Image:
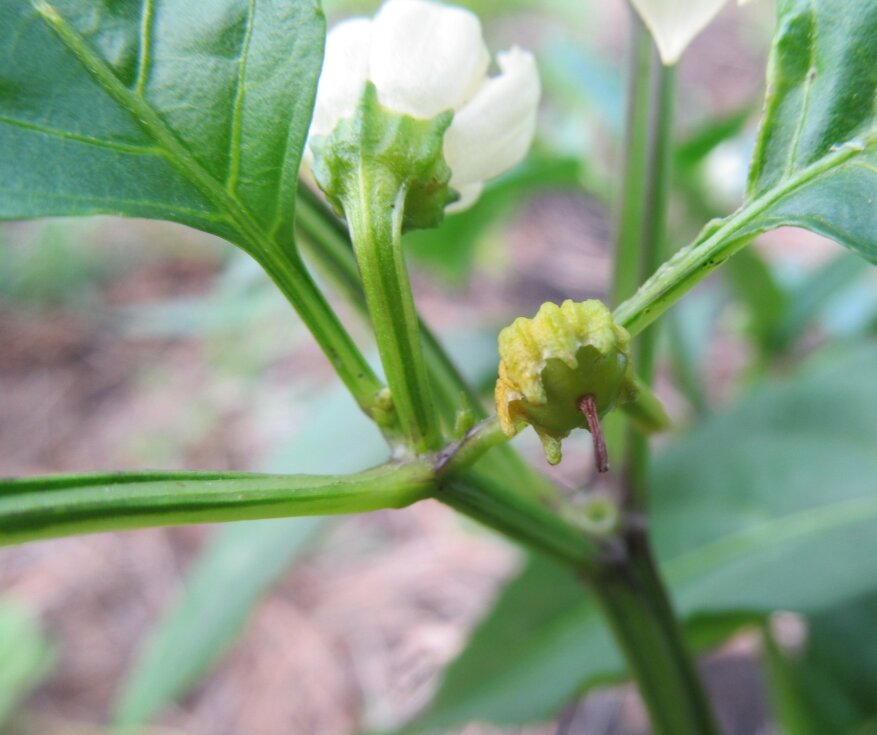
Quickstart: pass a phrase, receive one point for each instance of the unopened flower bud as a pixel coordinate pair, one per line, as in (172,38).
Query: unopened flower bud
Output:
(674,24)
(552,363)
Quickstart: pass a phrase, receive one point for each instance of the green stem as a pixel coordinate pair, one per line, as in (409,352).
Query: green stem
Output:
(330,246)
(719,241)
(630,590)
(517,517)
(634,600)
(61,505)
(40,507)
(629,215)
(375,218)
(652,232)
(654,224)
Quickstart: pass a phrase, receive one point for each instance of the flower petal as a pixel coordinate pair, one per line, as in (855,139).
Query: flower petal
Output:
(469,194)
(345,71)
(493,131)
(426,57)
(675,23)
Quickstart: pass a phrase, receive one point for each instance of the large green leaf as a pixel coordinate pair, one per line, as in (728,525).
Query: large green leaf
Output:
(769,505)
(168,109)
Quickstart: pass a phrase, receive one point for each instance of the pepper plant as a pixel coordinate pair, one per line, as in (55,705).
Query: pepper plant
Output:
(201,114)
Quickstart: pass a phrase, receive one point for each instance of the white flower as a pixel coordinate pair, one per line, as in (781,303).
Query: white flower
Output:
(424,58)
(675,23)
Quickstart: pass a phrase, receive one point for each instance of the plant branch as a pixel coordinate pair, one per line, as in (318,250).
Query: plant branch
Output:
(635,602)
(720,240)
(652,232)
(629,587)
(330,246)
(49,507)
(517,517)
(629,212)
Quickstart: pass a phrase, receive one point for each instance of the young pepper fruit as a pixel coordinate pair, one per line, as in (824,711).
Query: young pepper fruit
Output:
(552,367)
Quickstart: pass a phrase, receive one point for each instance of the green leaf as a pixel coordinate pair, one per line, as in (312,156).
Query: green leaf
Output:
(25,656)
(195,113)
(815,164)
(818,139)
(828,686)
(769,505)
(233,572)
(821,87)
(47,507)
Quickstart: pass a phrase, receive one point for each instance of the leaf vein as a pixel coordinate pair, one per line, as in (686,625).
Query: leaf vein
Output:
(237,117)
(143,54)
(805,103)
(126,204)
(129,148)
(867,166)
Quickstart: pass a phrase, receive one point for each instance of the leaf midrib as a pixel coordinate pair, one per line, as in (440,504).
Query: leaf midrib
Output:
(231,208)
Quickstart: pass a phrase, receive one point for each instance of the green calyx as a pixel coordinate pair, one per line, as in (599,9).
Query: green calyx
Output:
(397,153)
(548,364)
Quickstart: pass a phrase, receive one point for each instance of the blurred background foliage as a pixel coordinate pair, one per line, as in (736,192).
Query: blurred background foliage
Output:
(131,344)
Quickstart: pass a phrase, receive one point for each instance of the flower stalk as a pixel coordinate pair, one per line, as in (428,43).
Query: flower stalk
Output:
(377,241)
(385,172)
(329,244)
